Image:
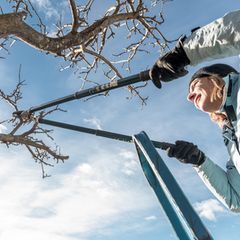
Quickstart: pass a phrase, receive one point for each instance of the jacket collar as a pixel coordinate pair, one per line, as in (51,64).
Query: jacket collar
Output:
(227,104)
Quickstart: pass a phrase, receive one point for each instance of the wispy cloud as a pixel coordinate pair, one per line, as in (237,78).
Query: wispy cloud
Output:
(95,122)
(151,218)
(2,128)
(46,7)
(209,209)
(129,162)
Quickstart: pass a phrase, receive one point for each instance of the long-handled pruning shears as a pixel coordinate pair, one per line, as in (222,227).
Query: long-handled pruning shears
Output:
(142,76)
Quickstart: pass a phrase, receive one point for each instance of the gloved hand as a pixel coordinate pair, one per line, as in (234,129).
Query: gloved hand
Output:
(186,152)
(170,66)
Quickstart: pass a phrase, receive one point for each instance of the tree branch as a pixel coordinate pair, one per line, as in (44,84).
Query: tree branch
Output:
(18,139)
(75,23)
(13,24)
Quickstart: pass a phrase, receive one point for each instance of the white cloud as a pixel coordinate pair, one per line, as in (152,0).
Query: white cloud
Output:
(86,200)
(129,162)
(42,3)
(47,7)
(2,128)
(86,168)
(127,154)
(150,218)
(94,122)
(28,234)
(209,208)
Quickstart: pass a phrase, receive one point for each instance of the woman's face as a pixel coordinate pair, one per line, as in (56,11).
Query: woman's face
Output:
(200,93)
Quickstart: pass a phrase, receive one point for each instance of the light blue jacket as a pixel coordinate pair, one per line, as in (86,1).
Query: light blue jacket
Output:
(220,39)
(225,185)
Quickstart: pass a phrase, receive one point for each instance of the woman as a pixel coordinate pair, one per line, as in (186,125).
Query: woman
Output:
(215,90)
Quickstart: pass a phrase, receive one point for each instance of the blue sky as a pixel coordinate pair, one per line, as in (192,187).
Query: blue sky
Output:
(101,192)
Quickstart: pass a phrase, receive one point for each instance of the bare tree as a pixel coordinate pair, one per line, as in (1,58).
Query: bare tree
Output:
(27,132)
(81,41)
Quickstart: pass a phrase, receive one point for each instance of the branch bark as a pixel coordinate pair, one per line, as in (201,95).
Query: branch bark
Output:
(13,24)
(75,23)
(17,139)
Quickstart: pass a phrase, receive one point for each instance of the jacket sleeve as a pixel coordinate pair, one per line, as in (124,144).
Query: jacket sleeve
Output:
(218,39)
(225,185)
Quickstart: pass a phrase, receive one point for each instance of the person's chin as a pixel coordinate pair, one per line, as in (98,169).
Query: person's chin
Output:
(202,108)
(205,109)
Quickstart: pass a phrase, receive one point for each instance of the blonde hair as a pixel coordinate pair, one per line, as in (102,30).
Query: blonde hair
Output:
(216,117)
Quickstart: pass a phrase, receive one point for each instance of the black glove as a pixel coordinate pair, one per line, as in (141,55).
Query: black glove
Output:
(186,152)
(170,66)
